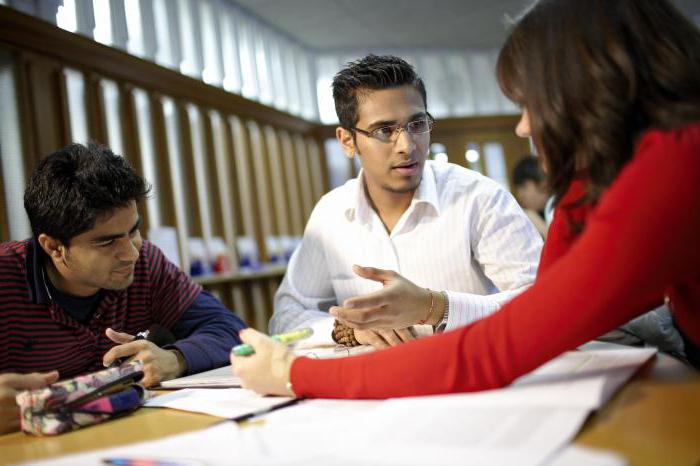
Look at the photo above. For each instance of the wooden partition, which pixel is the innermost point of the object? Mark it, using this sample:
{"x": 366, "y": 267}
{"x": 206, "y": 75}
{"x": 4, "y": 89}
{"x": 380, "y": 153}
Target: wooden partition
{"x": 222, "y": 167}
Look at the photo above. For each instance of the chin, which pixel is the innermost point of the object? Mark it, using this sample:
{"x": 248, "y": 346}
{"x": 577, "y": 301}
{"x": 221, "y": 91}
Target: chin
{"x": 405, "y": 187}
{"x": 118, "y": 285}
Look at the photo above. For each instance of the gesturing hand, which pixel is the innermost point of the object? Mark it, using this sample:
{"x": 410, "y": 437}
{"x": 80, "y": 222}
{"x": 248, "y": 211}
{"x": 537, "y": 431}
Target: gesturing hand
{"x": 399, "y": 304}
{"x": 267, "y": 370}
{"x": 10, "y": 384}
{"x": 158, "y": 364}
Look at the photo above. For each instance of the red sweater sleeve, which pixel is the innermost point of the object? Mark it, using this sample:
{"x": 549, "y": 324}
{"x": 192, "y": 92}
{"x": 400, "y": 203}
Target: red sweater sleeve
{"x": 639, "y": 240}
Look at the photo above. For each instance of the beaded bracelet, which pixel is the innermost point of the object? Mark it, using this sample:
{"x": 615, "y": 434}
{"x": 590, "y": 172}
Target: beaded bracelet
{"x": 344, "y": 335}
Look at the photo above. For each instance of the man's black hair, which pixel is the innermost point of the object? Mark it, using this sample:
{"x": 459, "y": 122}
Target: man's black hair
{"x": 371, "y": 73}
{"x": 71, "y": 188}
{"x": 527, "y": 169}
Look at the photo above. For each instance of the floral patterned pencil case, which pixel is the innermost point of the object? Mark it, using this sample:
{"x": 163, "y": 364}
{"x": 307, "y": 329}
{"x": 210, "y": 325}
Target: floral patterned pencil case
{"x": 82, "y": 401}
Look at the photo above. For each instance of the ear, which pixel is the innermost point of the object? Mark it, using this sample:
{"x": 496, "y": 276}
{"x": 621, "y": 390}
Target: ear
{"x": 51, "y": 246}
{"x": 346, "y": 140}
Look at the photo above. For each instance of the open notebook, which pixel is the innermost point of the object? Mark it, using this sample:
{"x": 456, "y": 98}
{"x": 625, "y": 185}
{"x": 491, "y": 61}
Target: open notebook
{"x": 223, "y": 376}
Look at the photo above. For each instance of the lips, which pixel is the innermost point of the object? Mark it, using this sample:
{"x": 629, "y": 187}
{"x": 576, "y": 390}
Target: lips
{"x": 125, "y": 270}
{"x": 406, "y": 168}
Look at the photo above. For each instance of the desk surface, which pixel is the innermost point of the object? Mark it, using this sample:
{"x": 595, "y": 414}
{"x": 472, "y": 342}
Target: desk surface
{"x": 654, "y": 419}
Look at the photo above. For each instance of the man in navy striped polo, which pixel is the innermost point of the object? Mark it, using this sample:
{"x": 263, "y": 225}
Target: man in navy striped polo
{"x": 74, "y": 295}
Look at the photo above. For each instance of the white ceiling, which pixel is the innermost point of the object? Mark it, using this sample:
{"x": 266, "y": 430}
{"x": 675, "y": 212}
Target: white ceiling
{"x": 353, "y": 24}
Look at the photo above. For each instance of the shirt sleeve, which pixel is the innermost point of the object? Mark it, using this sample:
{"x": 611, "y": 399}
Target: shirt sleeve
{"x": 506, "y": 246}
{"x": 306, "y": 292}
{"x": 621, "y": 265}
{"x": 205, "y": 334}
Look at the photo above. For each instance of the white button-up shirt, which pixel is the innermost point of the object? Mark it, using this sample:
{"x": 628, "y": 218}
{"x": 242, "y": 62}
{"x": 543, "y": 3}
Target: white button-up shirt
{"x": 462, "y": 233}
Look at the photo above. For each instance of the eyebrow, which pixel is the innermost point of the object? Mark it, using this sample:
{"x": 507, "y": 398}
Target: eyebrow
{"x": 105, "y": 238}
{"x": 379, "y": 124}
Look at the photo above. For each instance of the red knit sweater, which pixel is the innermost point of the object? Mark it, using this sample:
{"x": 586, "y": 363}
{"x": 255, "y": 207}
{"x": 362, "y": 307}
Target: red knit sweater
{"x": 640, "y": 244}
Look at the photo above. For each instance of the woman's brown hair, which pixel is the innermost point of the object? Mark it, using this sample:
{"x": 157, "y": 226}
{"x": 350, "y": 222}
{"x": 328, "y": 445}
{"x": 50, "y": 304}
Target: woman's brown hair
{"x": 595, "y": 74}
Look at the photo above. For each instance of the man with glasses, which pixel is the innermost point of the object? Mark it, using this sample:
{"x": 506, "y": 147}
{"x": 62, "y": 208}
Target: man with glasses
{"x": 408, "y": 241}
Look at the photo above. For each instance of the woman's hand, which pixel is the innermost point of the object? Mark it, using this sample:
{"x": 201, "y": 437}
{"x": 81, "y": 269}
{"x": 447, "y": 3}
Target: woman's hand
{"x": 267, "y": 370}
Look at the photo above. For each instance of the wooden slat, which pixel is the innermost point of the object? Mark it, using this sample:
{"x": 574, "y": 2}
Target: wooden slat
{"x": 225, "y": 202}
{"x": 319, "y": 175}
{"x": 95, "y": 109}
{"x": 47, "y": 107}
{"x": 166, "y": 196}
{"x": 268, "y": 222}
{"x": 189, "y": 188}
{"x": 212, "y": 183}
{"x": 278, "y": 183}
{"x": 130, "y": 138}
{"x": 246, "y": 183}
{"x": 304, "y": 170}
{"x": 232, "y": 175}
{"x": 173, "y": 158}
{"x": 291, "y": 174}
{"x": 240, "y": 304}
{"x": 260, "y": 305}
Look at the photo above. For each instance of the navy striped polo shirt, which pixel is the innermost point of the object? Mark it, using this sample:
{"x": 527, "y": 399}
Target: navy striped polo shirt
{"x": 36, "y": 334}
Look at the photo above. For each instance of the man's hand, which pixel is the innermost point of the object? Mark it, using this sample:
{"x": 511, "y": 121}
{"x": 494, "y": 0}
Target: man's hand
{"x": 399, "y": 304}
{"x": 158, "y": 364}
{"x": 383, "y": 338}
{"x": 266, "y": 371}
{"x": 10, "y": 384}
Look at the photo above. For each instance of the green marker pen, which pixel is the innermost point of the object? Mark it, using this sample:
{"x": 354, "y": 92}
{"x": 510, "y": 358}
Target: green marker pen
{"x": 285, "y": 338}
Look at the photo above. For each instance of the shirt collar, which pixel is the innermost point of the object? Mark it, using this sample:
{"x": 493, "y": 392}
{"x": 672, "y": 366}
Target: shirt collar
{"x": 359, "y": 206}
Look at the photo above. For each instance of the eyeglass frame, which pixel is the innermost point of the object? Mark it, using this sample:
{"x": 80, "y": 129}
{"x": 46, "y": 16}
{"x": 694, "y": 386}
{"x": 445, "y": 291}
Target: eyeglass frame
{"x": 396, "y": 132}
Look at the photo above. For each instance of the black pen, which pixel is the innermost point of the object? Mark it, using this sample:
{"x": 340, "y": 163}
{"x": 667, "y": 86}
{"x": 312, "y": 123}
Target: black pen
{"x": 249, "y": 416}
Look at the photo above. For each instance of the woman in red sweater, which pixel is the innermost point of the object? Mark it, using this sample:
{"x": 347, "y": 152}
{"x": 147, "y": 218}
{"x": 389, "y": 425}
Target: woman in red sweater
{"x": 611, "y": 98}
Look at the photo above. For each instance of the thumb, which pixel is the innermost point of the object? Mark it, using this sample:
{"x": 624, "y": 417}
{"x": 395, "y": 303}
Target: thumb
{"x": 252, "y": 336}
{"x": 30, "y": 381}
{"x": 118, "y": 337}
{"x": 372, "y": 273}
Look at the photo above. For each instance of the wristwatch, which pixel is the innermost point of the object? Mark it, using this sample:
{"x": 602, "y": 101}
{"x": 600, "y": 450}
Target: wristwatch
{"x": 443, "y": 323}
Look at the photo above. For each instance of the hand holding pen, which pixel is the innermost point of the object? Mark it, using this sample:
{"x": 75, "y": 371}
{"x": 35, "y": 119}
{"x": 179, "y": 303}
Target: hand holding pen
{"x": 263, "y": 363}
{"x": 158, "y": 364}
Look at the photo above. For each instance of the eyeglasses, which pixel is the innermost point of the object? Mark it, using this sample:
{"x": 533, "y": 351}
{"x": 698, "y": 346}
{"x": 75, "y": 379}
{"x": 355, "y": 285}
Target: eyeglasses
{"x": 390, "y": 133}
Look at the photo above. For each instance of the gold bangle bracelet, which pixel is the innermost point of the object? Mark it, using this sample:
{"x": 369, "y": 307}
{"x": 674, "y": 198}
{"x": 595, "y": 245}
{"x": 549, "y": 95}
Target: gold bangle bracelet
{"x": 432, "y": 308}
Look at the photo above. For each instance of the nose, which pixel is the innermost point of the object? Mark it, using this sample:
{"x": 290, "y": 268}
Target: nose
{"x": 129, "y": 252}
{"x": 404, "y": 141}
{"x": 523, "y": 127}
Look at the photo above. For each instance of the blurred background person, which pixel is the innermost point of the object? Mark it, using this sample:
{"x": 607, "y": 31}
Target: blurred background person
{"x": 531, "y": 191}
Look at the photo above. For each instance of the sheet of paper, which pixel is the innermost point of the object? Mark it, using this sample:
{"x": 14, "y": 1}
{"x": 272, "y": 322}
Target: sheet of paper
{"x": 215, "y": 378}
{"x": 332, "y": 351}
{"x": 224, "y": 402}
{"x": 223, "y": 376}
